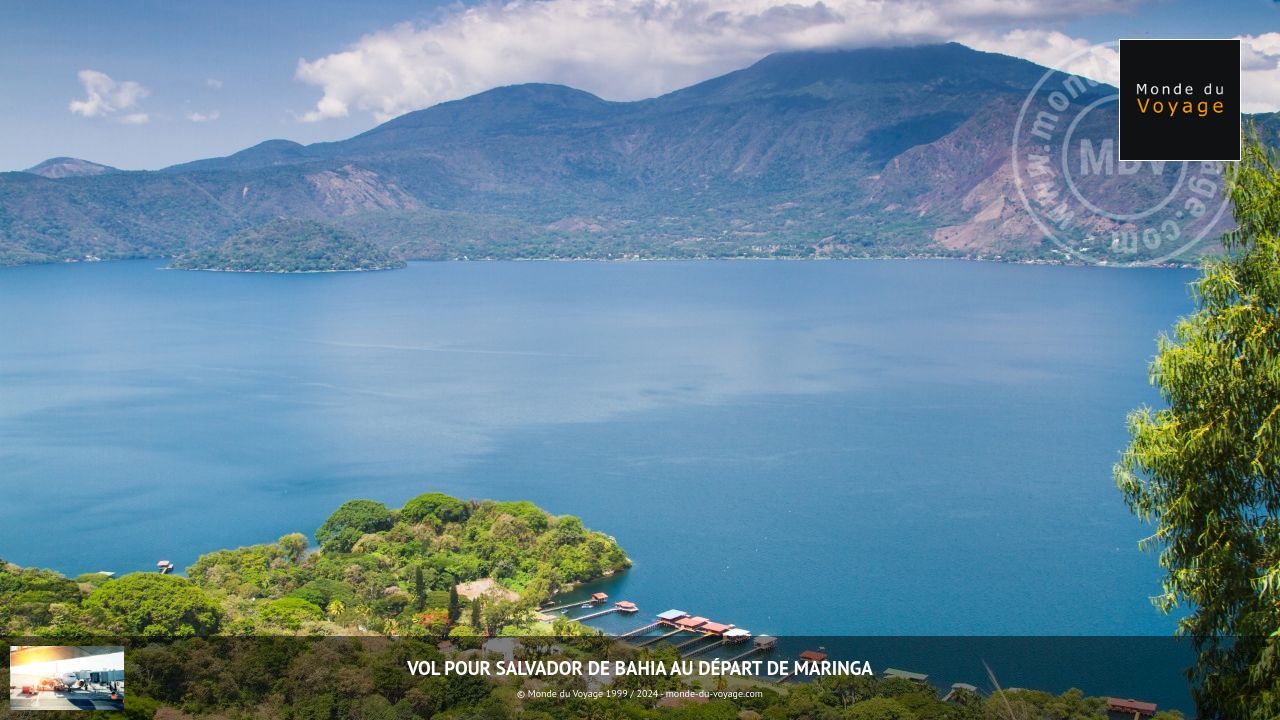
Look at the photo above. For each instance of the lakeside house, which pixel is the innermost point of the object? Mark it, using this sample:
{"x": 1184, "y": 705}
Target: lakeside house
{"x": 813, "y": 656}
{"x": 766, "y": 642}
{"x": 906, "y": 675}
{"x": 1130, "y": 708}
{"x": 957, "y": 689}
{"x": 672, "y": 615}
{"x": 691, "y": 623}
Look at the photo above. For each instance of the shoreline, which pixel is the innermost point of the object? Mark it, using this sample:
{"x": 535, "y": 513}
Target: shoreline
{"x": 260, "y": 272}
{"x": 623, "y": 260}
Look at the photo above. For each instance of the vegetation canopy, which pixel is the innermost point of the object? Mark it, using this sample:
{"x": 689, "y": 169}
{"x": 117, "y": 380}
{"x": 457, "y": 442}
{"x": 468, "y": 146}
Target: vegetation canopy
{"x": 153, "y": 605}
{"x": 1205, "y": 469}
{"x": 351, "y": 521}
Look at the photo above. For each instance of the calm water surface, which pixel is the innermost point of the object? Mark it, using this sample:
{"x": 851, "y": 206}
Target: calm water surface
{"x": 860, "y": 448}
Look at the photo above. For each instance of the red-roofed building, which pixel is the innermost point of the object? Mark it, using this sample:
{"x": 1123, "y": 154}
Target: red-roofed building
{"x": 715, "y": 628}
{"x": 625, "y": 606}
{"x": 813, "y": 656}
{"x": 598, "y": 597}
{"x": 1131, "y": 708}
{"x": 691, "y": 623}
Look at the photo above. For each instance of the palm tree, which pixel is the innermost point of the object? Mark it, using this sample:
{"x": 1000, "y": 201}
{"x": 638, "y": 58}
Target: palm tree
{"x": 335, "y": 608}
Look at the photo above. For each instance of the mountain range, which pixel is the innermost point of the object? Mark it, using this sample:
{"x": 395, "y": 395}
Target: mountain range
{"x": 857, "y": 153}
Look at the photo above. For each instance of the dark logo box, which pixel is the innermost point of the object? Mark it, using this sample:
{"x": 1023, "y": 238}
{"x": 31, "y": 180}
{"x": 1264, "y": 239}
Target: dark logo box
{"x": 1180, "y": 100}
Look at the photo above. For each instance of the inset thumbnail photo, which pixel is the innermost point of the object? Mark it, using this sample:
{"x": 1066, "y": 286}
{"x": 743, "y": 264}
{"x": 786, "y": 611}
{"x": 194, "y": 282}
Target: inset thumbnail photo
{"x": 66, "y": 677}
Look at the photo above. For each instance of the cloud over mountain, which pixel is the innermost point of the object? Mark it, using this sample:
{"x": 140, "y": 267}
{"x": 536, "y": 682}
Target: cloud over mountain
{"x": 630, "y": 49}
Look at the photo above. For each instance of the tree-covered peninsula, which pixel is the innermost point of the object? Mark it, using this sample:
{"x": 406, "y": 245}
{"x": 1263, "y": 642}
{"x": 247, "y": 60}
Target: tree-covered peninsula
{"x": 290, "y": 246}
{"x": 377, "y": 570}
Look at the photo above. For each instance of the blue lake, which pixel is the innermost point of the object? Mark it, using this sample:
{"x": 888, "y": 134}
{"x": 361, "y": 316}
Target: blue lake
{"x": 795, "y": 447}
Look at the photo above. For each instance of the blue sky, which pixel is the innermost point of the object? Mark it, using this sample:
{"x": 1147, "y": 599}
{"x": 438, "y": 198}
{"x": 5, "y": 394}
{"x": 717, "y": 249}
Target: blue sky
{"x": 157, "y": 83}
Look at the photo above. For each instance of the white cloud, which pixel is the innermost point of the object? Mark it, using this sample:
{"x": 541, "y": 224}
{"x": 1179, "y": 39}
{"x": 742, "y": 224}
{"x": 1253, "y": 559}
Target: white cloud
{"x": 199, "y": 117}
{"x": 629, "y": 49}
{"x": 1259, "y": 61}
{"x": 105, "y": 97}
{"x": 214, "y": 83}
{"x": 1053, "y": 49}
{"x": 1260, "y": 72}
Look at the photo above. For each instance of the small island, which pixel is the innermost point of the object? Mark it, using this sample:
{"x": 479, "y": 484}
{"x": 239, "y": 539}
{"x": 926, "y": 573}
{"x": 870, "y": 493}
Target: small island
{"x": 290, "y": 246}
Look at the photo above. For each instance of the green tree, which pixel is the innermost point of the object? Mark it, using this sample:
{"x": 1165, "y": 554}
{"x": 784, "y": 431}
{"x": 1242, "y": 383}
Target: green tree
{"x": 439, "y": 506}
{"x": 498, "y": 613}
{"x": 322, "y": 591}
{"x": 294, "y": 546}
{"x": 878, "y": 708}
{"x": 1011, "y": 706}
{"x": 1206, "y": 468}
{"x": 419, "y": 589}
{"x": 154, "y": 605}
{"x": 290, "y": 612}
{"x": 455, "y": 604}
{"x": 475, "y": 613}
{"x": 353, "y": 519}
{"x": 140, "y": 707}
{"x": 847, "y": 689}
{"x": 335, "y": 608}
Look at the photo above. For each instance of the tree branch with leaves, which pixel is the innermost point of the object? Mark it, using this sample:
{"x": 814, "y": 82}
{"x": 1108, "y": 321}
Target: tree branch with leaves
{"x": 1205, "y": 469}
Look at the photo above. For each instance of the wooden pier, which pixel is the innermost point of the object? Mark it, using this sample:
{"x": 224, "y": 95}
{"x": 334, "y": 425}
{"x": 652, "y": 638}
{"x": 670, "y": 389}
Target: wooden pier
{"x": 704, "y": 648}
{"x": 739, "y": 656}
{"x": 566, "y": 606}
{"x": 598, "y": 599}
{"x": 597, "y": 614}
{"x": 762, "y": 643}
{"x": 698, "y": 639}
{"x": 622, "y": 606}
{"x": 719, "y": 634}
{"x": 653, "y": 640}
{"x": 638, "y": 631}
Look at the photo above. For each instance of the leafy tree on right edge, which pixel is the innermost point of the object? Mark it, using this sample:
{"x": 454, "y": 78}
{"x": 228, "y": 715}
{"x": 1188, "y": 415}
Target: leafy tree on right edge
{"x": 1206, "y": 469}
